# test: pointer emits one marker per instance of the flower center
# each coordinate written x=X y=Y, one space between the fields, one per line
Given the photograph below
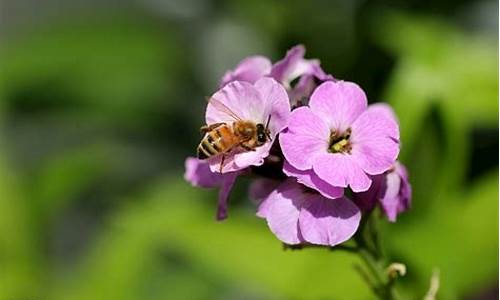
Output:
x=339 y=142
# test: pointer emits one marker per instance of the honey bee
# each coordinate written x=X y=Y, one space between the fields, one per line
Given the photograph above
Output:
x=221 y=138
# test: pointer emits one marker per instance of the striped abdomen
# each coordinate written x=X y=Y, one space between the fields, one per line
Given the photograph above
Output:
x=217 y=141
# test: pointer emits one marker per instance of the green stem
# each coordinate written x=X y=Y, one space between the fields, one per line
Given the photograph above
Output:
x=372 y=266
x=367 y=246
x=372 y=256
x=383 y=286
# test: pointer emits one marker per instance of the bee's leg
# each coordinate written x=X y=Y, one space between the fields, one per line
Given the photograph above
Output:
x=207 y=128
x=247 y=147
x=222 y=163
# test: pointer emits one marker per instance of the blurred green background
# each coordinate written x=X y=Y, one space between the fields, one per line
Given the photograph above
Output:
x=101 y=101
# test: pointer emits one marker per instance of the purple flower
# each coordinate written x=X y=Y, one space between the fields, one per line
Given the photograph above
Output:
x=259 y=190
x=391 y=190
x=198 y=174
x=297 y=214
x=265 y=100
x=294 y=66
x=331 y=141
x=397 y=196
x=340 y=139
x=250 y=69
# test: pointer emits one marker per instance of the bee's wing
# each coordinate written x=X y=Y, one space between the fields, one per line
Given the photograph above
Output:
x=223 y=108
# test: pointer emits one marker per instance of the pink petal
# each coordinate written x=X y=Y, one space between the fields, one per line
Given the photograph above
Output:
x=375 y=140
x=259 y=191
x=249 y=69
x=405 y=191
x=397 y=196
x=277 y=108
x=263 y=208
x=338 y=103
x=277 y=105
x=294 y=66
x=326 y=221
x=390 y=201
x=225 y=190
x=388 y=113
x=367 y=200
x=282 y=215
x=198 y=173
x=252 y=158
x=287 y=69
x=311 y=180
x=240 y=97
x=302 y=90
x=228 y=166
x=318 y=72
x=266 y=99
x=307 y=136
x=341 y=170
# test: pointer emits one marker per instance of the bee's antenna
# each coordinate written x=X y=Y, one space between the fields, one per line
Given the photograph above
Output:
x=268 y=120
x=267 y=131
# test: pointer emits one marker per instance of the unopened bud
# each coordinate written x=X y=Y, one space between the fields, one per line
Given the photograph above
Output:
x=396 y=269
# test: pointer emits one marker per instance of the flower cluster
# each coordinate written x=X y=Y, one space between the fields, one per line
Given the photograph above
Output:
x=328 y=156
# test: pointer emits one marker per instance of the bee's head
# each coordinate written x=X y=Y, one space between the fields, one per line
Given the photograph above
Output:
x=261 y=134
